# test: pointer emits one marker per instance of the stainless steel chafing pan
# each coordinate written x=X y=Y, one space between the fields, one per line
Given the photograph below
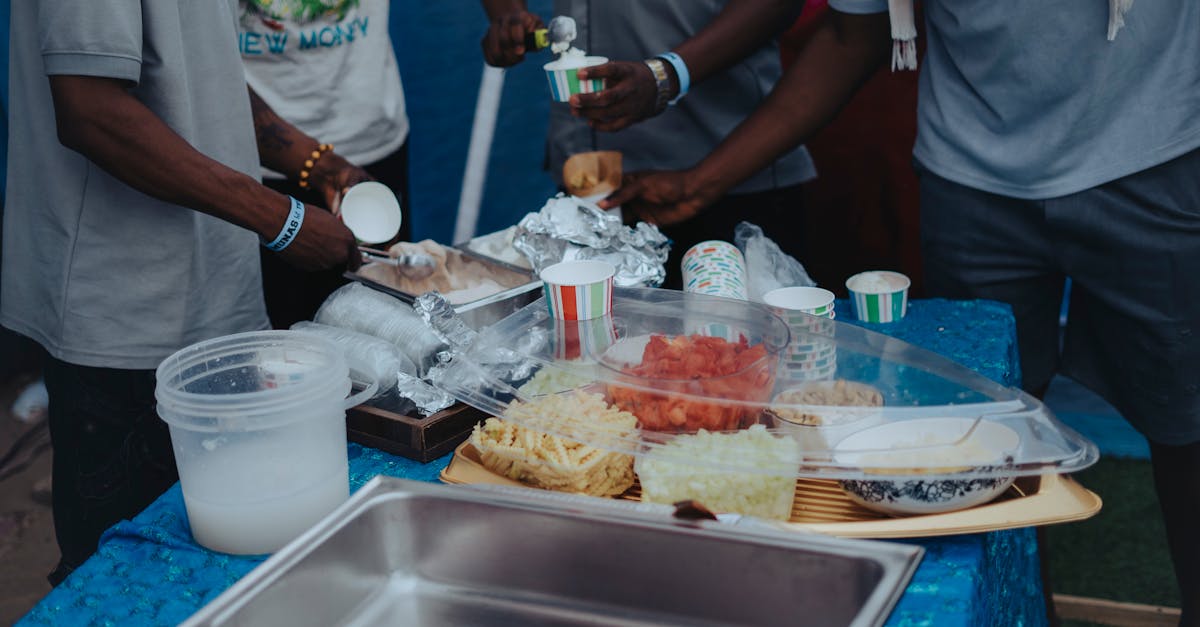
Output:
x=407 y=553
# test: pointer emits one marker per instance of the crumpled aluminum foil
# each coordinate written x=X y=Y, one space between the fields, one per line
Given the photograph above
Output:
x=428 y=399
x=500 y=357
x=443 y=321
x=568 y=227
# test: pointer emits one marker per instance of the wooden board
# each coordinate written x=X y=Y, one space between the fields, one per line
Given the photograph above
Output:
x=415 y=437
x=821 y=505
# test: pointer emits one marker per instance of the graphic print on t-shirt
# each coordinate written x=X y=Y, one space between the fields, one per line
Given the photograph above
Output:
x=277 y=26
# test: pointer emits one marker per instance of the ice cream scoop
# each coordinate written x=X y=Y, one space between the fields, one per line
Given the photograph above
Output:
x=558 y=35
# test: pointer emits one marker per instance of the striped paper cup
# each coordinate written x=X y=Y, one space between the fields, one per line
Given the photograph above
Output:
x=878 y=295
x=563 y=75
x=714 y=267
x=579 y=290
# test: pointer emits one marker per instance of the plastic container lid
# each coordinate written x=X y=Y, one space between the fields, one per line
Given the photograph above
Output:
x=682 y=362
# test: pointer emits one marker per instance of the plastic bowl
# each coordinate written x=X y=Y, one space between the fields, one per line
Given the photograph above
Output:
x=961 y=456
x=819 y=414
x=677 y=383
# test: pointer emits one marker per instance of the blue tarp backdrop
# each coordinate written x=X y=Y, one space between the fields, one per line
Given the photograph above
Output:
x=437 y=47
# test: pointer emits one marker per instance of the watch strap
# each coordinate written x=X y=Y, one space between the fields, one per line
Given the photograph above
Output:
x=662 y=83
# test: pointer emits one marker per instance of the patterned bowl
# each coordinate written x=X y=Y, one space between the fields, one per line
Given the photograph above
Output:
x=963 y=457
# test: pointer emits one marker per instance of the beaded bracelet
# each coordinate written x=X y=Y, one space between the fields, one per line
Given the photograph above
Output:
x=312 y=161
x=291 y=227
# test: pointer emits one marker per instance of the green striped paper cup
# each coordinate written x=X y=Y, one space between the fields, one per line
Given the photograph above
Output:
x=878 y=295
x=579 y=290
x=563 y=75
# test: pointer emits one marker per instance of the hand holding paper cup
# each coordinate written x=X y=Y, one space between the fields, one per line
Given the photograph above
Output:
x=370 y=210
x=563 y=75
x=579 y=290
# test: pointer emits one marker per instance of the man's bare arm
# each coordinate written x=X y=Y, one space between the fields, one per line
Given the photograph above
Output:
x=103 y=121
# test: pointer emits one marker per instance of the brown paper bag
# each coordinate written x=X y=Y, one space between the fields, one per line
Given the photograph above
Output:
x=592 y=173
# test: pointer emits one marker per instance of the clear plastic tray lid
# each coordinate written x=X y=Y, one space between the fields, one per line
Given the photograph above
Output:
x=727 y=385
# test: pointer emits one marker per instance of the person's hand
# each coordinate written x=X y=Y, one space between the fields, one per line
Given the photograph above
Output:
x=332 y=175
x=323 y=242
x=659 y=197
x=504 y=43
x=628 y=96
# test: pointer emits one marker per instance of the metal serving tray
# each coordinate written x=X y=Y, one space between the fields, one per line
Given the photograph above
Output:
x=408 y=553
x=483 y=312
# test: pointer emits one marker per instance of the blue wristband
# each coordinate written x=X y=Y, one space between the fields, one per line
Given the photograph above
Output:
x=291 y=227
x=681 y=71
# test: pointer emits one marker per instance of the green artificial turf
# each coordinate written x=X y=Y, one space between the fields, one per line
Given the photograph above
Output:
x=1120 y=554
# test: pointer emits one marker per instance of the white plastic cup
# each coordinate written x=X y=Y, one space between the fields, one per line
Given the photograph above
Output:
x=257 y=422
x=370 y=210
x=716 y=268
x=878 y=295
x=579 y=290
x=563 y=76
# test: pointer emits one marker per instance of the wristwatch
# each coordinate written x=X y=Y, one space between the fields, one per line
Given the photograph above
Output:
x=662 y=83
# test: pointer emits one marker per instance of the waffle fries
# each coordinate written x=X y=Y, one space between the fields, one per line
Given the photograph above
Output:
x=515 y=449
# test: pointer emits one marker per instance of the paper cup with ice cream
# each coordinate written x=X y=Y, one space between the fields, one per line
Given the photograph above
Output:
x=579 y=290
x=563 y=74
x=878 y=295
x=370 y=210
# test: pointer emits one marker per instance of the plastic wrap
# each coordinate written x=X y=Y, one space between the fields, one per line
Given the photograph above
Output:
x=767 y=267
x=572 y=228
x=681 y=361
x=359 y=308
x=381 y=358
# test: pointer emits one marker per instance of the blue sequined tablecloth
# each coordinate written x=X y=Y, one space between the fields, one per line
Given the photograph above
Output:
x=149 y=571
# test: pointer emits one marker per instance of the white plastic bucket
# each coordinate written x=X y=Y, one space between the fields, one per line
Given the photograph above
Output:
x=257 y=422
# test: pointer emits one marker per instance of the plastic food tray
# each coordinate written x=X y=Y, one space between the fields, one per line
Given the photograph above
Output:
x=937 y=420
x=821 y=506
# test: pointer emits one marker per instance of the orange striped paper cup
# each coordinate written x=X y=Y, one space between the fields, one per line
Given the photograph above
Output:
x=579 y=290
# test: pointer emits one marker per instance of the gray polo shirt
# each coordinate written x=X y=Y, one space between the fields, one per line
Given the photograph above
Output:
x=633 y=30
x=1027 y=98
x=98 y=273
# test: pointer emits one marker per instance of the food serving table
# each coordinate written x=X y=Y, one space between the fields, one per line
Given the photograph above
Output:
x=150 y=571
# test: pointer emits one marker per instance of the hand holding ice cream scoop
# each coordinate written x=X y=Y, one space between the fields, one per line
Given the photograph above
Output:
x=563 y=72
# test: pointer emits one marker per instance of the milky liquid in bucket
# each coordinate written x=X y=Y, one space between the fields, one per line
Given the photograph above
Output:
x=257 y=423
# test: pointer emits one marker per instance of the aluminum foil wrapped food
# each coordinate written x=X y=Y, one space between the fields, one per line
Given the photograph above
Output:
x=572 y=228
x=428 y=399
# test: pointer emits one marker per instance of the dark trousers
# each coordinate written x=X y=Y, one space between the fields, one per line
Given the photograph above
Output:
x=112 y=453
x=779 y=212
x=292 y=294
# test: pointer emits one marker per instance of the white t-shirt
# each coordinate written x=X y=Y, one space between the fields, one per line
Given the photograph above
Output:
x=327 y=67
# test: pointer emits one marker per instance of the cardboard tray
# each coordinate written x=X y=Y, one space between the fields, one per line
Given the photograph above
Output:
x=821 y=505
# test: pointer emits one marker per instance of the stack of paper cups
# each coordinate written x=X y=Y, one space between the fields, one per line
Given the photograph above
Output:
x=809 y=312
x=716 y=268
x=878 y=296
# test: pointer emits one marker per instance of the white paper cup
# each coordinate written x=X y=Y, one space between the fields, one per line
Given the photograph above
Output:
x=878 y=295
x=814 y=301
x=579 y=290
x=563 y=75
x=714 y=267
x=370 y=210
